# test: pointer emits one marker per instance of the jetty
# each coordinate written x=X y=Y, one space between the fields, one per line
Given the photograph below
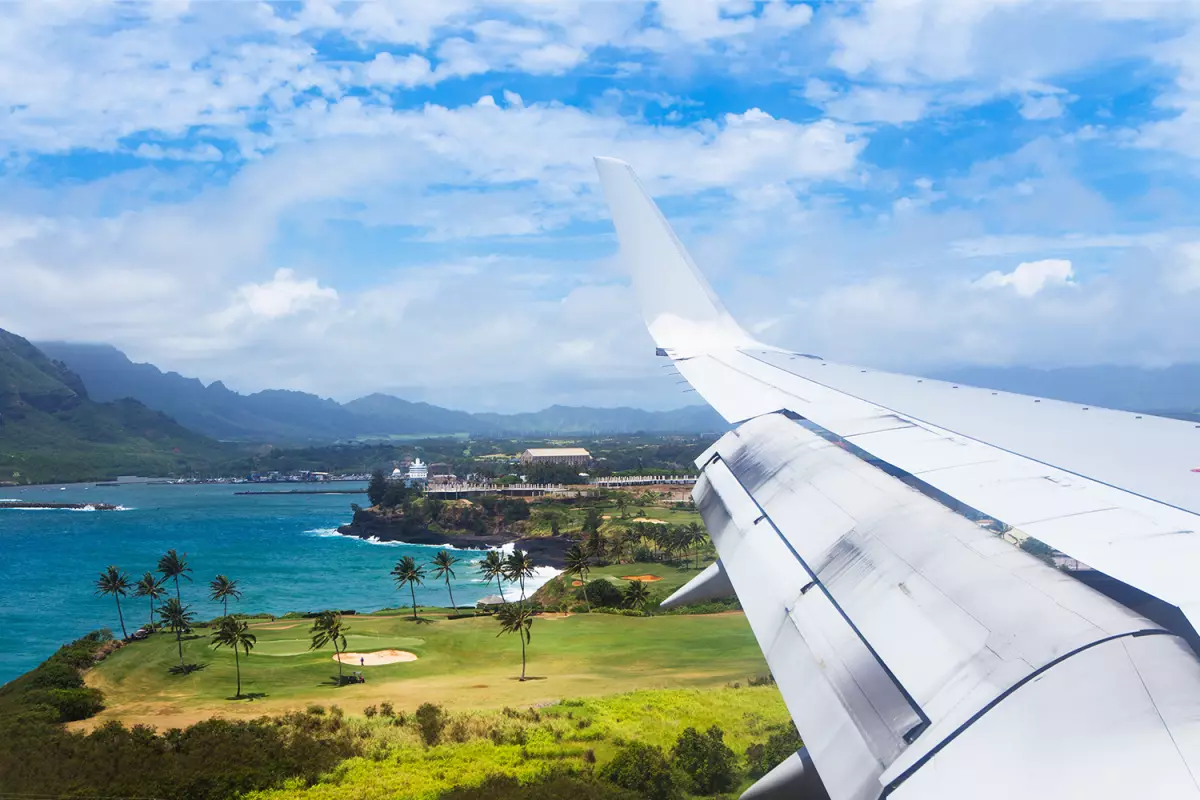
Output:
x=70 y=506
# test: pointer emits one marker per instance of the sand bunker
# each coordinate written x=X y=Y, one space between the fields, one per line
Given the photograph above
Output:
x=651 y=521
x=645 y=578
x=577 y=583
x=378 y=658
x=276 y=626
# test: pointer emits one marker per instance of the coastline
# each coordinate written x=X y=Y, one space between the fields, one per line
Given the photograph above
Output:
x=547 y=551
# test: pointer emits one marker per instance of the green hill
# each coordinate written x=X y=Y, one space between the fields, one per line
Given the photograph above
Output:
x=50 y=430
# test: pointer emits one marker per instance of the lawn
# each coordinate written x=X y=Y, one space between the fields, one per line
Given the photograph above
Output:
x=461 y=664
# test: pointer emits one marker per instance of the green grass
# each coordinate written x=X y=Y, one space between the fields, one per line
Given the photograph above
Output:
x=461 y=663
x=527 y=744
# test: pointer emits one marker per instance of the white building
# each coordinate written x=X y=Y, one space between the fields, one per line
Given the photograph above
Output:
x=418 y=471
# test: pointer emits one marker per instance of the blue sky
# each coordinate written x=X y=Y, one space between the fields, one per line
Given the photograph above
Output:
x=398 y=196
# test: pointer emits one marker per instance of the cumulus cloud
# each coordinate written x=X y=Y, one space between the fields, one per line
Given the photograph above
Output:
x=1183 y=268
x=1031 y=277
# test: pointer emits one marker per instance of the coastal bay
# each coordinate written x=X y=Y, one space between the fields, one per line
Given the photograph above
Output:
x=285 y=551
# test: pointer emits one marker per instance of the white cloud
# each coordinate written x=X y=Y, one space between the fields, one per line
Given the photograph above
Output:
x=283 y=296
x=410 y=70
x=1047 y=106
x=1183 y=268
x=1030 y=277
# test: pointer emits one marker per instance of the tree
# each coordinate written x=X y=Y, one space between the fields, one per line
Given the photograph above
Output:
x=518 y=619
x=592 y=520
x=595 y=544
x=696 y=534
x=235 y=633
x=443 y=567
x=377 y=487
x=636 y=595
x=221 y=589
x=492 y=566
x=113 y=581
x=622 y=503
x=177 y=616
x=762 y=758
x=329 y=628
x=708 y=762
x=150 y=586
x=409 y=572
x=643 y=768
x=577 y=562
x=517 y=567
x=431 y=721
x=173 y=566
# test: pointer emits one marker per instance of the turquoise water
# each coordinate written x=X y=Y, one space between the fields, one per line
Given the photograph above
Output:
x=282 y=549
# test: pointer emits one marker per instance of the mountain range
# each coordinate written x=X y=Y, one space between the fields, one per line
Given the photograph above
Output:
x=291 y=417
x=51 y=429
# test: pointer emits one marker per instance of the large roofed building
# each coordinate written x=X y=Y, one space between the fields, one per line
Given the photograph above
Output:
x=556 y=455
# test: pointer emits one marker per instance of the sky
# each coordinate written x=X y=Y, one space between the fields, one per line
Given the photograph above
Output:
x=399 y=196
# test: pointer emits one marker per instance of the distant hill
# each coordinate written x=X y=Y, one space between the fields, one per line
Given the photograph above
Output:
x=1174 y=390
x=288 y=417
x=50 y=429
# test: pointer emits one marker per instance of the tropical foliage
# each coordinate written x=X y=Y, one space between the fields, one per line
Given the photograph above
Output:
x=329 y=628
x=150 y=586
x=173 y=567
x=221 y=589
x=492 y=568
x=443 y=567
x=408 y=573
x=516 y=618
x=178 y=618
x=235 y=634
x=116 y=583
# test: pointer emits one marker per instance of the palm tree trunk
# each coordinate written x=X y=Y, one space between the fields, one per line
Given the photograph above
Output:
x=226 y=599
x=337 y=658
x=413 y=589
x=179 y=641
x=152 y=612
x=121 y=617
x=583 y=583
x=451 y=591
x=237 y=665
x=522 y=635
x=177 y=596
x=501 y=588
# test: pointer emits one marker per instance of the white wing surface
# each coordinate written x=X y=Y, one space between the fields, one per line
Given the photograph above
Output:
x=921 y=654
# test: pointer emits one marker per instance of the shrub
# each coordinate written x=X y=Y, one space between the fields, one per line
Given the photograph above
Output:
x=370 y=711
x=431 y=720
x=602 y=592
x=385 y=709
x=73 y=704
x=704 y=757
x=316 y=709
x=552 y=787
x=762 y=758
x=642 y=768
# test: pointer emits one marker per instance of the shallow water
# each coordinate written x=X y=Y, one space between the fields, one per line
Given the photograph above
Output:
x=284 y=551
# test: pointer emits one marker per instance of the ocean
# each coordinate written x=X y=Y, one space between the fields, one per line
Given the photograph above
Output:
x=284 y=551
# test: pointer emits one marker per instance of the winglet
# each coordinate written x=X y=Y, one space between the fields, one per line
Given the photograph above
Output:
x=711 y=584
x=682 y=312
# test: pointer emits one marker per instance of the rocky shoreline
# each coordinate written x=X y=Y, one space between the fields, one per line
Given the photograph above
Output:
x=71 y=506
x=547 y=551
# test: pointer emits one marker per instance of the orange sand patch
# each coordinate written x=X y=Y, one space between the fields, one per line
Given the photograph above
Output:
x=378 y=658
x=644 y=578
x=651 y=521
x=606 y=516
x=577 y=583
x=275 y=626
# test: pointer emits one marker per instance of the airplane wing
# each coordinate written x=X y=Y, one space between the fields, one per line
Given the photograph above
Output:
x=869 y=523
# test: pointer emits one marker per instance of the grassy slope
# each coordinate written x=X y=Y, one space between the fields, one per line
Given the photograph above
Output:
x=461 y=663
x=528 y=743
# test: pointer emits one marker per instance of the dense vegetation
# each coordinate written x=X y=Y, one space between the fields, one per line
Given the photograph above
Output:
x=51 y=430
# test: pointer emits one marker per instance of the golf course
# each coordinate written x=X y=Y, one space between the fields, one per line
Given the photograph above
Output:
x=460 y=663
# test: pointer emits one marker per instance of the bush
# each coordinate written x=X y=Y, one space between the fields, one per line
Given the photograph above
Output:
x=71 y=704
x=704 y=757
x=601 y=592
x=553 y=787
x=370 y=711
x=431 y=720
x=762 y=758
x=385 y=709
x=642 y=768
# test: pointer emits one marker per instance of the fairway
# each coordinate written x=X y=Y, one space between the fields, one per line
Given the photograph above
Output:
x=460 y=663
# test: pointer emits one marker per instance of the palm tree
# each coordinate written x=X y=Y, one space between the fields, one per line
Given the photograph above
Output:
x=637 y=595
x=517 y=567
x=516 y=619
x=328 y=628
x=176 y=615
x=172 y=565
x=149 y=586
x=443 y=567
x=407 y=571
x=222 y=588
x=622 y=503
x=235 y=633
x=578 y=562
x=696 y=538
x=492 y=566
x=113 y=581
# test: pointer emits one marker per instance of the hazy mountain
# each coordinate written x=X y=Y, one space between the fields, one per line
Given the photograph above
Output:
x=1174 y=389
x=297 y=417
x=50 y=429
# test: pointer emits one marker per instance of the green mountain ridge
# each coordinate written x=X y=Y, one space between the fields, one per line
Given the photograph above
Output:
x=297 y=418
x=51 y=429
